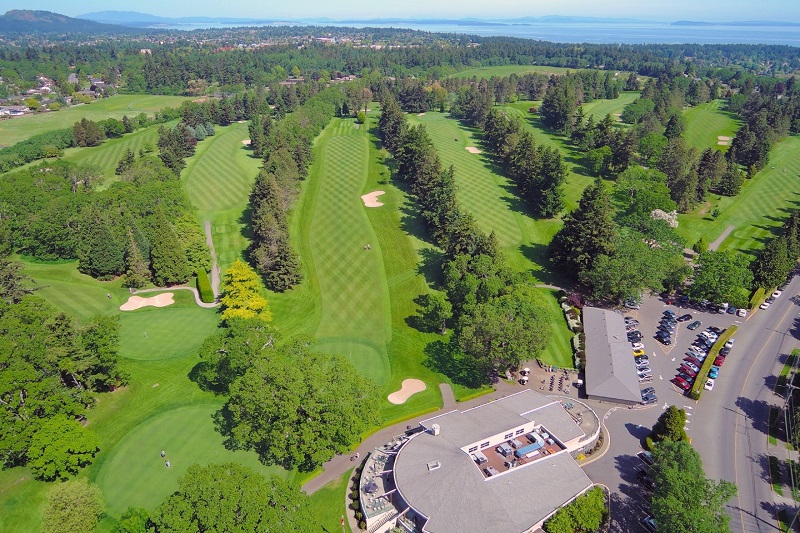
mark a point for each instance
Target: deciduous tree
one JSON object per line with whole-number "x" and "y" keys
{"x": 72, "y": 506}
{"x": 61, "y": 446}
{"x": 242, "y": 294}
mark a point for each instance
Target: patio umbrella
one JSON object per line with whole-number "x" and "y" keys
{"x": 371, "y": 487}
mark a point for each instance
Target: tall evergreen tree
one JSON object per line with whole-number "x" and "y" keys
{"x": 167, "y": 257}
{"x": 102, "y": 256}
{"x": 588, "y": 232}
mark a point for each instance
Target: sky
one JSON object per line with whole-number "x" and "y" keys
{"x": 670, "y": 10}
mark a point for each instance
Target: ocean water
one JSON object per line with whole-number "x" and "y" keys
{"x": 626, "y": 33}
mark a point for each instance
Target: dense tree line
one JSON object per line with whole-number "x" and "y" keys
{"x": 500, "y": 320}
{"x": 142, "y": 227}
{"x": 779, "y": 256}
{"x": 285, "y": 146}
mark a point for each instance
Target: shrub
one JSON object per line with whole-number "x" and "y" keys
{"x": 361, "y": 117}
{"x": 204, "y": 287}
{"x": 758, "y": 296}
{"x": 362, "y": 525}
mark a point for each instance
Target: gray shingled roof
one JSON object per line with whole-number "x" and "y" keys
{"x": 457, "y": 498}
{"x": 610, "y": 368}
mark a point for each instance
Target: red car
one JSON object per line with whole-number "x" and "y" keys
{"x": 693, "y": 360}
{"x": 719, "y": 360}
{"x": 680, "y": 382}
{"x": 688, "y": 371}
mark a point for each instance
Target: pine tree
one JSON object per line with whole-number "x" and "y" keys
{"x": 103, "y": 256}
{"x": 167, "y": 256}
{"x": 587, "y": 233}
{"x": 286, "y": 271}
{"x": 137, "y": 273}
{"x": 125, "y": 162}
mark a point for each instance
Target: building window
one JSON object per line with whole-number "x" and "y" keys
{"x": 520, "y": 431}
{"x": 508, "y": 435}
{"x": 473, "y": 449}
{"x": 485, "y": 444}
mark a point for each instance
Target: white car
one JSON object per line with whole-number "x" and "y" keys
{"x": 644, "y": 373}
{"x": 741, "y": 312}
{"x": 692, "y": 366}
{"x": 776, "y": 294}
{"x": 764, "y": 305}
{"x": 710, "y": 335}
{"x": 730, "y": 343}
{"x": 709, "y": 384}
{"x": 637, "y": 346}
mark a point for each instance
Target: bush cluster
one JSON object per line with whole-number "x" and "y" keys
{"x": 204, "y": 287}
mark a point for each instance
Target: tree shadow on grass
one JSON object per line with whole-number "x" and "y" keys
{"x": 447, "y": 359}
{"x": 430, "y": 266}
{"x": 539, "y": 255}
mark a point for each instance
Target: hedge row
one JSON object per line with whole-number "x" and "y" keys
{"x": 700, "y": 380}
{"x": 758, "y": 296}
{"x": 204, "y": 287}
{"x": 48, "y": 144}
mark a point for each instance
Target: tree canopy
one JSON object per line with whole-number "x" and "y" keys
{"x": 71, "y": 507}
{"x": 231, "y": 498}
{"x": 722, "y": 277}
{"x": 242, "y": 294}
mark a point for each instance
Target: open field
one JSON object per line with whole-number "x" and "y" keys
{"x": 18, "y": 129}
{"x": 507, "y": 70}
{"x": 134, "y": 474}
{"x": 156, "y": 333}
{"x": 706, "y": 122}
{"x": 758, "y": 211}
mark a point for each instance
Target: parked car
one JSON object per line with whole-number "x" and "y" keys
{"x": 694, "y": 325}
{"x": 633, "y": 304}
{"x": 665, "y": 327}
{"x": 649, "y": 523}
{"x": 646, "y": 457}
{"x": 644, "y": 372}
{"x": 729, "y": 344}
{"x": 664, "y": 339}
{"x": 649, "y": 400}
{"x": 670, "y": 313}
{"x": 668, "y": 321}
{"x": 764, "y": 305}
{"x": 684, "y": 318}
{"x": 693, "y": 360}
{"x": 693, "y": 366}
{"x": 646, "y": 379}
{"x": 682, "y": 383}
{"x": 648, "y": 389}
{"x": 709, "y": 384}
{"x": 741, "y": 312}
{"x": 719, "y": 360}
{"x": 638, "y": 353}
{"x": 637, "y": 346}
{"x": 645, "y": 480}
{"x": 776, "y": 294}
{"x": 641, "y": 367}
{"x": 713, "y": 373}
{"x": 724, "y": 351}
{"x": 641, "y": 360}
{"x": 631, "y": 327}
{"x": 631, "y": 321}
{"x": 683, "y": 369}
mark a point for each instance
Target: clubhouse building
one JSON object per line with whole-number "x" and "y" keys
{"x": 507, "y": 465}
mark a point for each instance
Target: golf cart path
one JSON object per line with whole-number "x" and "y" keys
{"x": 215, "y": 277}
{"x": 196, "y": 294}
{"x": 716, "y": 244}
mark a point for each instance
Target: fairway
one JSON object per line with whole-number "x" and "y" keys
{"x": 706, "y": 122}
{"x": 758, "y": 211}
{"x": 507, "y": 70}
{"x": 170, "y": 331}
{"x": 222, "y": 170}
{"x": 600, "y": 108}
{"x": 352, "y": 284}
{"x": 135, "y": 474}
{"x": 18, "y": 129}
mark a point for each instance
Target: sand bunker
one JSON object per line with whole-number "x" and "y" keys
{"x": 421, "y": 115}
{"x": 724, "y": 138}
{"x": 371, "y": 199}
{"x": 246, "y": 142}
{"x": 473, "y": 150}
{"x": 135, "y": 302}
{"x": 723, "y": 143}
{"x": 410, "y": 387}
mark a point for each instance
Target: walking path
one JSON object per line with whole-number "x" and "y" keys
{"x": 716, "y": 244}
{"x": 215, "y": 277}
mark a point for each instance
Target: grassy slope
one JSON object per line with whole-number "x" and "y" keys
{"x": 327, "y": 504}
{"x": 507, "y": 70}
{"x": 600, "y": 108}
{"x": 18, "y": 129}
{"x": 758, "y": 211}
{"x": 492, "y": 199}
{"x": 705, "y": 122}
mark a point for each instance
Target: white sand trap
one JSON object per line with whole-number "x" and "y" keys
{"x": 421, "y": 115}
{"x": 241, "y": 121}
{"x": 724, "y": 138}
{"x": 473, "y": 150}
{"x": 723, "y": 143}
{"x": 371, "y": 199}
{"x": 246, "y": 142}
{"x": 409, "y": 388}
{"x": 135, "y": 302}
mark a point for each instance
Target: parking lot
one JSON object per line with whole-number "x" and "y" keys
{"x": 665, "y": 360}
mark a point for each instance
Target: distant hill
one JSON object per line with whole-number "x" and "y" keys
{"x": 25, "y": 21}
{"x": 145, "y": 20}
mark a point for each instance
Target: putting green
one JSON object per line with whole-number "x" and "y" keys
{"x": 369, "y": 360}
{"x": 162, "y": 333}
{"x": 135, "y": 474}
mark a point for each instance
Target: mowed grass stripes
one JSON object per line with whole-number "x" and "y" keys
{"x": 353, "y": 292}
{"x": 706, "y": 122}
{"x": 758, "y": 211}
{"x": 220, "y": 173}
{"x": 600, "y": 108}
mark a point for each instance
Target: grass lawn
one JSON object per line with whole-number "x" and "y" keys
{"x": 758, "y": 211}
{"x": 218, "y": 180}
{"x": 327, "y": 504}
{"x": 507, "y": 70}
{"x": 21, "y": 500}
{"x": 171, "y": 331}
{"x": 706, "y": 122}
{"x": 21, "y": 128}
{"x": 134, "y": 474}
{"x": 76, "y": 294}
{"x": 600, "y": 108}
